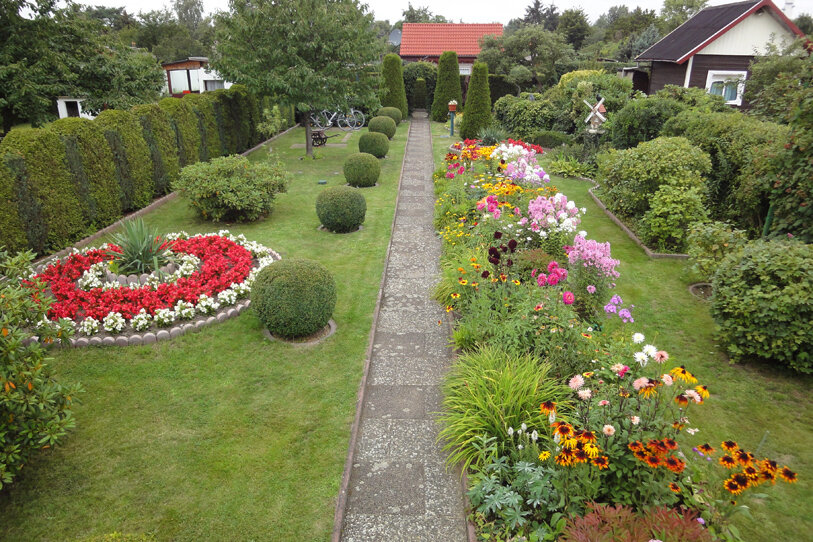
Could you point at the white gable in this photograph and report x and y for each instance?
(750, 36)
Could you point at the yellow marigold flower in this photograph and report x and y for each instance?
(463, 281)
(591, 450)
(544, 455)
(703, 391)
(455, 295)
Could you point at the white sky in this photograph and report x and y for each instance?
(471, 11)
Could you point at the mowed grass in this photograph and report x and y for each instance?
(222, 434)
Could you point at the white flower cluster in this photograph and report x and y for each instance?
(185, 310)
(89, 326)
(227, 297)
(114, 322)
(508, 152)
(207, 305)
(164, 317)
(141, 321)
(93, 277)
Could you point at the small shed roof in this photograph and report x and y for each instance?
(432, 39)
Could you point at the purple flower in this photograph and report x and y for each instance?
(609, 308)
(616, 300)
(591, 289)
(701, 521)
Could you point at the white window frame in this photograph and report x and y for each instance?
(728, 75)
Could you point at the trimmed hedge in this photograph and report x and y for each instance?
(413, 71)
(420, 92)
(47, 203)
(207, 125)
(131, 156)
(14, 231)
(187, 129)
(374, 143)
(362, 170)
(161, 140)
(382, 125)
(499, 87)
(550, 139)
(91, 164)
(393, 93)
(478, 103)
(294, 298)
(448, 87)
(392, 112)
(341, 209)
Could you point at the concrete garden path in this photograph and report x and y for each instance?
(399, 488)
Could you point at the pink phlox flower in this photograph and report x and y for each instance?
(568, 298)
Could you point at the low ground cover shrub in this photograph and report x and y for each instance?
(232, 188)
(550, 138)
(362, 170)
(383, 125)
(294, 298)
(341, 209)
(392, 112)
(374, 143)
(709, 243)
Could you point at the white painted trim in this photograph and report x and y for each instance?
(723, 75)
(688, 72)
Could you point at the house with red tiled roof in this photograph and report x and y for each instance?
(427, 41)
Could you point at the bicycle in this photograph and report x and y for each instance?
(324, 119)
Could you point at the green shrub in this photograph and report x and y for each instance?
(187, 129)
(91, 165)
(478, 103)
(763, 303)
(492, 134)
(413, 71)
(393, 93)
(131, 156)
(294, 298)
(207, 125)
(629, 178)
(392, 112)
(374, 143)
(382, 125)
(362, 170)
(499, 87)
(550, 138)
(35, 408)
(570, 93)
(568, 166)
(231, 188)
(141, 250)
(163, 145)
(220, 106)
(523, 117)
(694, 98)
(14, 230)
(448, 87)
(244, 116)
(341, 209)
(671, 210)
(709, 243)
(420, 93)
(641, 120)
(47, 197)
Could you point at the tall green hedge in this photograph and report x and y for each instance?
(393, 93)
(420, 92)
(478, 103)
(160, 137)
(499, 87)
(46, 195)
(218, 98)
(14, 232)
(91, 164)
(236, 127)
(131, 156)
(420, 70)
(244, 116)
(187, 129)
(207, 125)
(448, 86)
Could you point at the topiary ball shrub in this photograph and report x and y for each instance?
(762, 303)
(341, 209)
(374, 143)
(383, 125)
(294, 298)
(362, 170)
(392, 112)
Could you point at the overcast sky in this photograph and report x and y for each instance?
(470, 11)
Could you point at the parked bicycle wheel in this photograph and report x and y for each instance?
(359, 118)
(346, 122)
(317, 121)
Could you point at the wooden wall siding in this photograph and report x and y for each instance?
(666, 73)
(188, 65)
(704, 63)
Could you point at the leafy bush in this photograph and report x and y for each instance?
(91, 165)
(245, 115)
(382, 125)
(448, 87)
(491, 135)
(499, 87)
(294, 298)
(13, 228)
(131, 156)
(694, 98)
(523, 117)
(393, 93)
(207, 125)
(413, 71)
(478, 103)
(569, 95)
(35, 408)
(672, 209)
(641, 120)
(603, 522)
(629, 178)
(141, 248)
(374, 143)
(163, 145)
(392, 112)
(776, 79)
(47, 202)
(341, 209)
(419, 99)
(763, 303)
(550, 138)
(187, 129)
(362, 170)
(709, 243)
(232, 188)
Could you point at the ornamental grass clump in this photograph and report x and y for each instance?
(374, 143)
(341, 209)
(294, 298)
(384, 125)
(362, 170)
(142, 249)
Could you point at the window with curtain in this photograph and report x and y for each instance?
(728, 84)
(179, 81)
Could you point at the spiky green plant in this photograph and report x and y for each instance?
(492, 134)
(141, 250)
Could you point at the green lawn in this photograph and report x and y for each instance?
(222, 434)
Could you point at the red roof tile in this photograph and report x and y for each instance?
(431, 39)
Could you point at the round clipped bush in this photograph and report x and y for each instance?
(383, 125)
(362, 170)
(392, 112)
(341, 209)
(294, 298)
(374, 143)
(762, 303)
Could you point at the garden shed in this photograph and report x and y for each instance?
(192, 75)
(427, 41)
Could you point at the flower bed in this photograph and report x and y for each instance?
(212, 273)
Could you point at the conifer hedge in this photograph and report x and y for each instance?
(187, 130)
(207, 125)
(420, 70)
(393, 93)
(14, 233)
(448, 86)
(478, 103)
(130, 155)
(160, 137)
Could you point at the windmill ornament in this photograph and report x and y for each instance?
(596, 117)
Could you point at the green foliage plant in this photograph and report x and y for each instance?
(12, 226)
(776, 80)
(499, 86)
(35, 408)
(374, 143)
(162, 143)
(341, 209)
(207, 125)
(447, 88)
(641, 120)
(187, 129)
(694, 98)
(672, 210)
(362, 170)
(141, 248)
(478, 103)
(244, 116)
(47, 197)
(413, 71)
(231, 188)
(523, 117)
(550, 138)
(492, 134)
(294, 298)
(763, 303)
(568, 166)
(393, 93)
(419, 97)
(131, 156)
(709, 243)
(383, 125)
(392, 112)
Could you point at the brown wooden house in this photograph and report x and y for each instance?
(713, 49)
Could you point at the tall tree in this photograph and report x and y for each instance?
(805, 23)
(189, 13)
(419, 15)
(120, 78)
(315, 53)
(546, 16)
(573, 26)
(676, 12)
